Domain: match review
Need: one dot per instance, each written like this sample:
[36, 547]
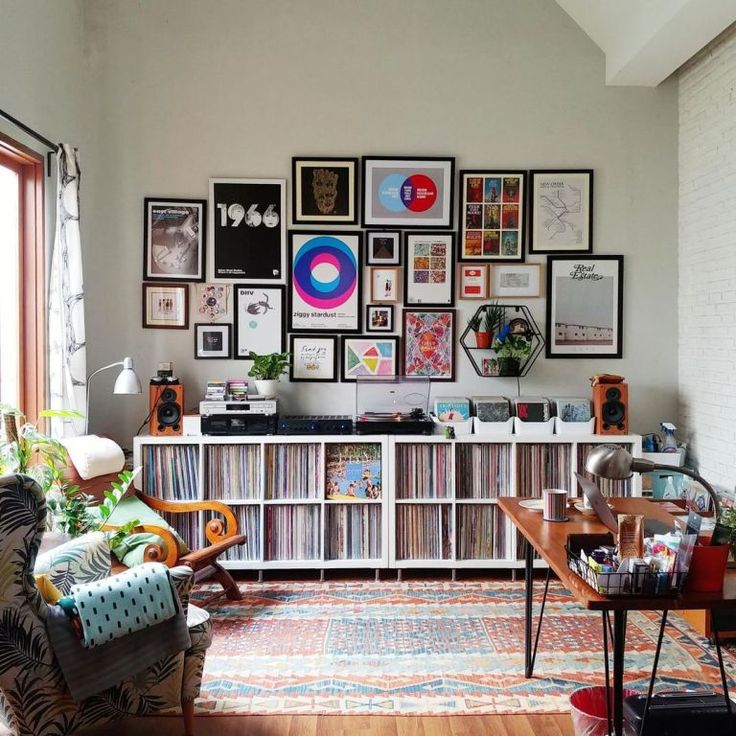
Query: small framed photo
[516, 281]
[408, 192]
[561, 211]
[473, 280]
[259, 319]
[369, 356]
[166, 306]
[429, 270]
[492, 215]
[212, 341]
[313, 358]
[584, 306]
[324, 190]
[429, 343]
[384, 248]
[379, 318]
[384, 284]
[174, 239]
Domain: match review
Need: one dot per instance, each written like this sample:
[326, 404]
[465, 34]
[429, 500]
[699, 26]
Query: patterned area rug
[422, 648]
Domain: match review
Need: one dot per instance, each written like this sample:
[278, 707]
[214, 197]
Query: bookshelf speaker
[611, 404]
[166, 405]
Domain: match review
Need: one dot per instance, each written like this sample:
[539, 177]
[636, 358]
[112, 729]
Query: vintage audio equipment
[679, 714]
[166, 402]
[315, 424]
[238, 423]
[413, 422]
[192, 425]
[252, 406]
[611, 405]
[164, 374]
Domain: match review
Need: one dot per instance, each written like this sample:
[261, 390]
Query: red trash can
[588, 711]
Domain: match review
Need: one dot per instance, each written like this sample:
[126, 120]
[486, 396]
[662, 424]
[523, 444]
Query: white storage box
[530, 428]
[461, 428]
[675, 459]
[496, 428]
[563, 427]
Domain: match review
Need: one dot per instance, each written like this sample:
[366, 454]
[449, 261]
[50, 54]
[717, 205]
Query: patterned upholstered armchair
[34, 699]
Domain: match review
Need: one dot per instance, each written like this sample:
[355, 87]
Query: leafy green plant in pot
[728, 519]
[267, 369]
[493, 317]
[511, 349]
[474, 323]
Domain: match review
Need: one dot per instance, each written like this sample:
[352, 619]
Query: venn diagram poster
[407, 193]
[325, 282]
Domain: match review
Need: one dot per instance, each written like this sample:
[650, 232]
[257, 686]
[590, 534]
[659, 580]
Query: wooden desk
[549, 540]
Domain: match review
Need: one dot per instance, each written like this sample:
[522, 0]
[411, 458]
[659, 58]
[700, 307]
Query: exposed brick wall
[707, 258]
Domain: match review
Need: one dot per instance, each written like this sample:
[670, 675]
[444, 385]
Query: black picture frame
[281, 323]
[293, 339]
[201, 326]
[538, 248]
[470, 250]
[406, 167]
[345, 173]
[409, 269]
[370, 258]
[294, 292]
[385, 307]
[181, 237]
[553, 338]
[371, 338]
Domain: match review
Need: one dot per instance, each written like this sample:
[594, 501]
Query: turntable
[393, 405]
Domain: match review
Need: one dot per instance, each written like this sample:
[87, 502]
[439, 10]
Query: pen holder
[707, 569]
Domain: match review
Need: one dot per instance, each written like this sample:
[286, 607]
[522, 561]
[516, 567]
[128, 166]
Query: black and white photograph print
[247, 228]
[584, 306]
[379, 318]
[383, 248]
[259, 319]
[174, 239]
[324, 190]
[212, 341]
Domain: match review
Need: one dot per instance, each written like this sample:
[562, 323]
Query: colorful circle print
[416, 193]
[320, 287]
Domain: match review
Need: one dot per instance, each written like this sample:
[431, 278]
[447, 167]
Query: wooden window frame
[32, 384]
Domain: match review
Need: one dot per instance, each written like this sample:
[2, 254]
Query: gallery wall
[184, 90]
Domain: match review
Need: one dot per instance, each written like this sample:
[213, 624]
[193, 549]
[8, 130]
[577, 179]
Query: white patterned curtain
[67, 346]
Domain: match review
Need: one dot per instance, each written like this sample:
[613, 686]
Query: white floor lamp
[126, 383]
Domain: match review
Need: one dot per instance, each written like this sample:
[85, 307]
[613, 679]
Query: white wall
[181, 91]
[707, 258]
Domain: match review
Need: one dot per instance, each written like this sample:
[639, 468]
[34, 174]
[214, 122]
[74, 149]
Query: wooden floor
[533, 725]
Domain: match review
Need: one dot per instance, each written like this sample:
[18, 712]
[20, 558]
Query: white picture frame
[429, 269]
[515, 280]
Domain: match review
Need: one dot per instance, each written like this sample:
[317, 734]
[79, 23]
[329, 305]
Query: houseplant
[493, 317]
[511, 349]
[267, 369]
[474, 323]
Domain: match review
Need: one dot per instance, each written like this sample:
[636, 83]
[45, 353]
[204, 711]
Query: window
[22, 279]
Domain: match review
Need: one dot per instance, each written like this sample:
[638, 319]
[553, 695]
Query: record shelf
[413, 502]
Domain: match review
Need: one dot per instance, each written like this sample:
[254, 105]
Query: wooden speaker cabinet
[166, 404]
[611, 406]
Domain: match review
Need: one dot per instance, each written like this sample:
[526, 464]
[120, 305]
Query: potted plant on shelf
[511, 349]
[267, 369]
[474, 323]
[493, 318]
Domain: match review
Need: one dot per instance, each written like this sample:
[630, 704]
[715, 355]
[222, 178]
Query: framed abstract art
[369, 356]
[429, 343]
[429, 270]
[324, 190]
[383, 248]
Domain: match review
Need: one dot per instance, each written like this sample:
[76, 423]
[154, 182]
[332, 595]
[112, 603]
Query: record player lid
[390, 398]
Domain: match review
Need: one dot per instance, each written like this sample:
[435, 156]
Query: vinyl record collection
[542, 466]
[232, 472]
[609, 488]
[170, 472]
[249, 519]
[292, 532]
[353, 532]
[483, 471]
[483, 533]
[293, 471]
[187, 527]
[423, 471]
[423, 532]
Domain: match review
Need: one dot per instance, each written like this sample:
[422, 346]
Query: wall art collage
[333, 288]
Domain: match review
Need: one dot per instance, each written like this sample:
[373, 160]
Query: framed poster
[584, 306]
[166, 306]
[429, 343]
[383, 248]
[212, 341]
[561, 211]
[516, 280]
[429, 271]
[384, 284]
[473, 280]
[324, 190]
[379, 318]
[492, 215]
[313, 358]
[212, 301]
[369, 356]
[259, 320]
[174, 239]
[247, 230]
[325, 281]
[408, 192]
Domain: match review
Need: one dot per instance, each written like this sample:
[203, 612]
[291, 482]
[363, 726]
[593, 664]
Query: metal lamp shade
[610, 461]
[127, 381]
